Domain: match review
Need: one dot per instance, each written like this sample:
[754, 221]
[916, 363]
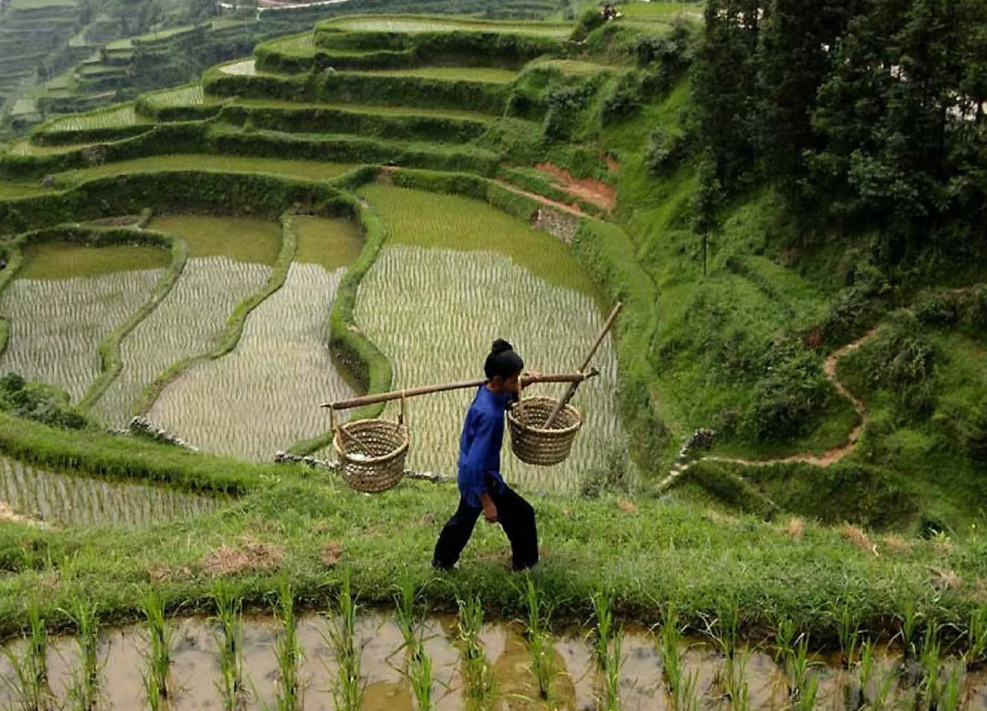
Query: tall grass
[481, 686]
[29, 683]
[540, 643]
[289, 653]
[157, 658]
[229, 616]
[347, 689]
[86, 690]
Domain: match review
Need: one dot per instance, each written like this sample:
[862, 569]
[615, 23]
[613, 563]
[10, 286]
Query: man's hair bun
[501, 346]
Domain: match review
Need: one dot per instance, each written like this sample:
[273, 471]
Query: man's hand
[489, 510]
[531, 375]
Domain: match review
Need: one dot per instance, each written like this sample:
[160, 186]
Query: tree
[707, 203]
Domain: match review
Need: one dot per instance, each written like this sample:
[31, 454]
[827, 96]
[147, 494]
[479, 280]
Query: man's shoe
[445, 568]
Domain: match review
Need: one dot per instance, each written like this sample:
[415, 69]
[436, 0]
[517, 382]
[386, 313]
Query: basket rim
[541, 430]
[383, 458]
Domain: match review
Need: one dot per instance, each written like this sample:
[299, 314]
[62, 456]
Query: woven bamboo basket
[371, 452]
[531, 442]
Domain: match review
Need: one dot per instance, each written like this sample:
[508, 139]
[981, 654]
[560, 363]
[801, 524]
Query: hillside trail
[593, 191]
[547, 202]
[827, 458]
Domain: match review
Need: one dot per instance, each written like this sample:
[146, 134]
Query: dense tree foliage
[868, 113]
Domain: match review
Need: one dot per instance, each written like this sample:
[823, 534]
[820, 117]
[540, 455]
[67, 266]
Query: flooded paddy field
[73, 500]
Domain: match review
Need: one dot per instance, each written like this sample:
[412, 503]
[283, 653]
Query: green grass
[330, 243]
[17, 190]
[660, 11]
[312, 170]
[356, 108]
[412, 23]
[61, 260]
[481, 74]
[239, 238]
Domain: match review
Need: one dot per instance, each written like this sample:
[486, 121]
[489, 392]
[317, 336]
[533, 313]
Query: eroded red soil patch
[593, 191]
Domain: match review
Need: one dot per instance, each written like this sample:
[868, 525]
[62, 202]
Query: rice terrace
[731, 257]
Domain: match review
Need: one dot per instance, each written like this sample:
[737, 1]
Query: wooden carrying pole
[592, 352]
[462, 385]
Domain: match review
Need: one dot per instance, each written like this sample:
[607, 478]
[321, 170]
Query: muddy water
[195, 670]
[64, 499]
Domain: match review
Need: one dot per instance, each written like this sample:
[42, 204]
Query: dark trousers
[515, 515]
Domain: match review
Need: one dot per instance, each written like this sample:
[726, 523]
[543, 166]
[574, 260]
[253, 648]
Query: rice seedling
[682, 687]
[611, 672]
[187, 323]
[56, 326]
[976, 638]
[474, 296]
[281, 364]
[157, 658]
[808, 696]
[86, 689]
[724, 629]
[229, 615]
[29, 683]
[420, 674]
[119, 117]
[540, 643]
[930, 687]
[735, 682]
[289, 653]
[785, 639]
[951, 692]
[797, 666]
[849, 632]
[404, 613]
[243, 68]
[78, 500]
[481, 686]
[908, 623]
[603, 632]
[348, 686]
[179, 96]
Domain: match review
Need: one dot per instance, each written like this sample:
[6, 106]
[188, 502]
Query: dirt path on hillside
[593, 191]
[827, 458]
[547, 202]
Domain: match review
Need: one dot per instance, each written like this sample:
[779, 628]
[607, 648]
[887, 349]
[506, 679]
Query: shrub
[937, 310]
[564, 107]
[976, 439]
[902, 361]
[785, 399]
[665, 151]
[38, 402]
[591, 20]
[623, 101]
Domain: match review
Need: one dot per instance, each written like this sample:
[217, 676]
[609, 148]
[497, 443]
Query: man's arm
[476, 459]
